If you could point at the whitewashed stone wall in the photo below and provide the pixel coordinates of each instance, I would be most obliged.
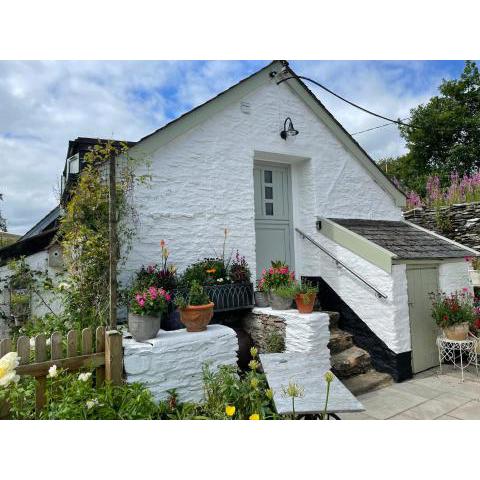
(175, 360)
(454, 276)
(37, 261)
(387, 318)
(303, 332)
(203, 181)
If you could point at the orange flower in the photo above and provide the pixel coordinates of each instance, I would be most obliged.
(211, 270)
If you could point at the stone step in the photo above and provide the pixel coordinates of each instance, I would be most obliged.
(334, 319)
(351, 362)
(367, 382)
(339, 341)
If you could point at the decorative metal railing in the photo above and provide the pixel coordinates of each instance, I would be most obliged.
(231, 296)
(378, 293)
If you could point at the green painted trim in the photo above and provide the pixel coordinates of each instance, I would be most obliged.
(359, 245)
(349, 144)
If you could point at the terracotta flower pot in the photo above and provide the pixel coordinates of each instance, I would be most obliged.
(457, 332)
(196, 317)
(305, 302)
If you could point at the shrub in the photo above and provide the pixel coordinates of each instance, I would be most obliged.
(306, 289)
(286, 291)
(209, 271)
(196, 296)
(150, 302)
(278, 275)
(239, 270)
(449, 310)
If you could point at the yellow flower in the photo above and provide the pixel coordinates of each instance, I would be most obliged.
(269, 393)
(254, 382)
(253, 365)
(329, 377)
(8, 363)
(254, 416)
(253, 352)
(230, 410)
(293, 390)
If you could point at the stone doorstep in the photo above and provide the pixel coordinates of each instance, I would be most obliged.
(339, 341)
(351, 362)
(367, 382)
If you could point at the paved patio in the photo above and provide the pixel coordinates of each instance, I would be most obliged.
(428, 396)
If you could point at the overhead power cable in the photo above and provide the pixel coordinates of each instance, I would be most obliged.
(391, 120)
(378, 126)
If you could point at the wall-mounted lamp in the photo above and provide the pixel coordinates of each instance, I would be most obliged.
(288, 130)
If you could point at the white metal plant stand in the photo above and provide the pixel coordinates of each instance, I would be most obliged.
(461, 353)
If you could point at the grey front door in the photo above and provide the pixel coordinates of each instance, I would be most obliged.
(273, 213)
(423, 330)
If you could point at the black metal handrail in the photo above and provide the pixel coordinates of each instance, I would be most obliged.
(339, 262)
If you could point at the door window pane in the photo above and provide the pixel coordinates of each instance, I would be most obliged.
(269, 193)
(267, 176)
(268, 208)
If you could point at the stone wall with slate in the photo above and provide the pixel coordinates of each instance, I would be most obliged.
(460, 223)
(302, 332)
(175, 360)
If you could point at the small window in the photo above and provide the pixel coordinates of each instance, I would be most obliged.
(269, 193)
(269, 209)
(267, 176)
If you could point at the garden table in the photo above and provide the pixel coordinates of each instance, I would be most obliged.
(307, 370)
(461, 353)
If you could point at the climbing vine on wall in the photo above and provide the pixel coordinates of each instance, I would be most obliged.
(84, 230)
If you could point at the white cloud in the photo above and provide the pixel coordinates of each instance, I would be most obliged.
(45, 104)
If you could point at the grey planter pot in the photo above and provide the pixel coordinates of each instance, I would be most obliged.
(143, 327)
(262, 300)
(279, 303)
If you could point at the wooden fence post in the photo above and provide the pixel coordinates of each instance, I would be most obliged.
(113, 357)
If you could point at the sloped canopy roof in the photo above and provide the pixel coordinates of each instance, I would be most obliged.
(404, 240)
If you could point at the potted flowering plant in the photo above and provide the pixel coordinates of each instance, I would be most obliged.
(454, 313)
(262, 295)
(278, 280)
(305, 295)
(196, 309)
(145, 312)
(474, 270)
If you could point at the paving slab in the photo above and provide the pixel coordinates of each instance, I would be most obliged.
(436, 407)
(468, 411)
(446, 417)
(419, 389)
(356, 416)
(388, 402)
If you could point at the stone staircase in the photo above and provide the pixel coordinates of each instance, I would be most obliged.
(351, 364)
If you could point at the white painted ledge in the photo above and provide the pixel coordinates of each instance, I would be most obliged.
(175, 359)
(304, 332)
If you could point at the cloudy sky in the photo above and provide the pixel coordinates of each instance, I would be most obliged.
(43, 105)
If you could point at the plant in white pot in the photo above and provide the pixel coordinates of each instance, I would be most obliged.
(144, 316)
(454, 313)
(474, 270)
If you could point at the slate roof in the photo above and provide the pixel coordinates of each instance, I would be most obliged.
(404, 240)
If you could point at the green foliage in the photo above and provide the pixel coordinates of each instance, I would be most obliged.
(286, 291)
(196, 296)
(306, 288)
(239, 270)
(70, 398)
(150, 302)
(84, 232)
(447, 134)
(47, 324)
(278, 275)
(274, 341)
(209, 271)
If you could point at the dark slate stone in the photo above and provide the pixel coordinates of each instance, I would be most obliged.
(398, 365)
(402, 239)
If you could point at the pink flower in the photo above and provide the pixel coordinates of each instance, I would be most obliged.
(464, 289)
(141, 302)
(168, 297)
(153, 292)
(138, 297)
(149, 269)
(271, 271)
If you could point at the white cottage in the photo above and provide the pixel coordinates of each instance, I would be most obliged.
(268, 162)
